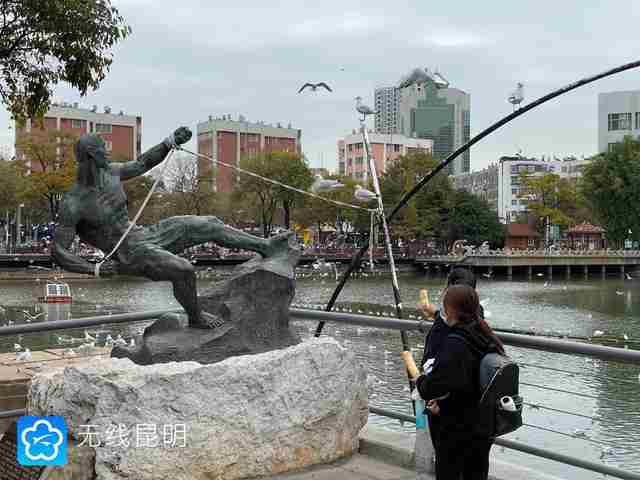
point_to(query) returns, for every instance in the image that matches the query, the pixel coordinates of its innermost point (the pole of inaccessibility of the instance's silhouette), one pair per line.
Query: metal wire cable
(585, 374)
(536, 406)
(579, 437)
(577, 394)
(280, 184)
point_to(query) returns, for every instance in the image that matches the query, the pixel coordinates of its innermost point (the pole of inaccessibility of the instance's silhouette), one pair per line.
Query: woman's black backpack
(498, 377)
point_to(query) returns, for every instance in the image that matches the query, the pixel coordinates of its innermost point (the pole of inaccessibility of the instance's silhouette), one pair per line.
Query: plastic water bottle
(423, 448)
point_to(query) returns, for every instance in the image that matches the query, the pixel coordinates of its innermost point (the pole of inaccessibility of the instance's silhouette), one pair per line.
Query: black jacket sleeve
(452, 371)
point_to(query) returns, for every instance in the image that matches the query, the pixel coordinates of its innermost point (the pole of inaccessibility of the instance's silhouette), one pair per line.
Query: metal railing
(512, 339)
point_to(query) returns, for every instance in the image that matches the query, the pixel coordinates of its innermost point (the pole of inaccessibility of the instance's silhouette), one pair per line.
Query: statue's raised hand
(180, 136)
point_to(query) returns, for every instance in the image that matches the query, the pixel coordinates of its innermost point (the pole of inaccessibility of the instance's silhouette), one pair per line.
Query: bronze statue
(95, 209)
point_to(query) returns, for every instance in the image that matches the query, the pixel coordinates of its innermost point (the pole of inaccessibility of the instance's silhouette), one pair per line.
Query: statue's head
(91, 156)
(91, 148)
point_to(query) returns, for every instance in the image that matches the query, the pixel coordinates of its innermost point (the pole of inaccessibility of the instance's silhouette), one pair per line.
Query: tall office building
(228, 140)
(387, 106)
(618, 116)
(424, 105)
(430, 108)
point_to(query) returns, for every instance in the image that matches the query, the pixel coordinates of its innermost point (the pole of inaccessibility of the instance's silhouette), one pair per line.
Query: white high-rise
(618, 116)
(387, 105)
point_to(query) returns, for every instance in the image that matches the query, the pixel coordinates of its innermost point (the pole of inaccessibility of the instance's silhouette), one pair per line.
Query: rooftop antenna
(517, 96)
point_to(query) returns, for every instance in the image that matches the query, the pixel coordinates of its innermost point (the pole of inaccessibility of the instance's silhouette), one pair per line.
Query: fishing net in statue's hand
(405, 199)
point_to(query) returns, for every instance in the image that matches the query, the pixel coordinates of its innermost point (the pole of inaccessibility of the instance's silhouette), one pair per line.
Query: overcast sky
(190, 59)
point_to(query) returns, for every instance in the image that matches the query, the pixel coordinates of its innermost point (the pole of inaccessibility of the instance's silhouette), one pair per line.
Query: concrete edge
(398, 449)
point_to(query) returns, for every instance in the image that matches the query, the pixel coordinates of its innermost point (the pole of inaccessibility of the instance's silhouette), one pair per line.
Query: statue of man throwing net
(95, 209)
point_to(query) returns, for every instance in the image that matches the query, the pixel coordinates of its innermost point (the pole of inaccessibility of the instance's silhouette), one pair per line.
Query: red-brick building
(585, 236)
(121, 133)
(521, 236)
(228, 141)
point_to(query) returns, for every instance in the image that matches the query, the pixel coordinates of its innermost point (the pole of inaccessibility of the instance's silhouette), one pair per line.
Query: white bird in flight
(28, 317)
(323, 185)
(314, 86)
(363, 109)
(364, 195)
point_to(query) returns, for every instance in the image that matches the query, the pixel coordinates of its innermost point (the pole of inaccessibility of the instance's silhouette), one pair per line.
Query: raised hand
(182, 135)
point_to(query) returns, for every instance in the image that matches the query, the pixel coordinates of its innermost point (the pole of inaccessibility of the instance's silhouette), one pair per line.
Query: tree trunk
(287, 214)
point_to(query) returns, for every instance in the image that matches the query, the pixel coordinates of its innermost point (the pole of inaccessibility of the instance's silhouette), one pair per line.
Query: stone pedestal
(243, 417)
(250, 313)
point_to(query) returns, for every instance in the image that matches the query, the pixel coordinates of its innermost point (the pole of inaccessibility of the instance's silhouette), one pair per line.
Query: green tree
(317, 212)
(53, 167)
(610, 186)
(421, 217)
(45, 42)
(551, 196)
(472, 219)
(285, 167)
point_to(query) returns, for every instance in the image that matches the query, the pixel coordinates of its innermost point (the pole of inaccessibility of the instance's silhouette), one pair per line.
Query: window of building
(514, 191)
(514, 168)
(396, 148)
(359, 160)
(612, 146)
(637, 120)
(108, 146)
(539, 168)
(564, 169)
(515, 180)
(359, 146)
(103, 128)
(77, 123)
(619, 121)
(531, 242)
(514, 202)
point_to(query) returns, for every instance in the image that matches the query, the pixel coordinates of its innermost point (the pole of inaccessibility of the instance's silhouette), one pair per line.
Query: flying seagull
(322, 185)
(363, 109)
(364, 195)
(314, 86)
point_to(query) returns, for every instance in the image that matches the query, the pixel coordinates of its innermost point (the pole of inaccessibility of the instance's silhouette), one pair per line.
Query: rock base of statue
(249, 314)
(244, 417)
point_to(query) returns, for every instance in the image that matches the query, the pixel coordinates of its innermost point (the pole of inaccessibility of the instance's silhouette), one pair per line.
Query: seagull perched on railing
(314, 86)
(364, 195)
(322, 185)
(363, 109)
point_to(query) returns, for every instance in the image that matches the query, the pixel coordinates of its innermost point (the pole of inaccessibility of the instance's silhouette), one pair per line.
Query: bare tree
(190, 195)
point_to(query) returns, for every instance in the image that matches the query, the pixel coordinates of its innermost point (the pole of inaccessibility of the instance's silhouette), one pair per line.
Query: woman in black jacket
(455, 377)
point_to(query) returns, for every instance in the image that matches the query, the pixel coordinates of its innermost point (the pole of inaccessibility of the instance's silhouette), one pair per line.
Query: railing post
(510, 272)
(568, 272)
(586, 272)
(530, 272)
(604, 272)
(622, 272)
(550, 272)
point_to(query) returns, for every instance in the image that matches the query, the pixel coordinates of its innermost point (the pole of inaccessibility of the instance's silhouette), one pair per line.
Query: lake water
(605, 394)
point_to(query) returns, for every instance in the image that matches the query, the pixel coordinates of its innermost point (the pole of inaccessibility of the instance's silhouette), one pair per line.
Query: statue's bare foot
(278, 244)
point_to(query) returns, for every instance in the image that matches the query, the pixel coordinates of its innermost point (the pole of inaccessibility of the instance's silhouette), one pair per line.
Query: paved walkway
(358, 467)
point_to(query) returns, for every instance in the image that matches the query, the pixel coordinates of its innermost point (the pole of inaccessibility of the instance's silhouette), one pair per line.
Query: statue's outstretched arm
(152, 157)
(63, 238)
(145, 162)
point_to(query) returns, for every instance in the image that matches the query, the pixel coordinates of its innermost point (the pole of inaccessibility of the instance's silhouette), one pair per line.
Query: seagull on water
(628, 277)
(363, 109)
(364, 195)
(322, 185)
(314, 86)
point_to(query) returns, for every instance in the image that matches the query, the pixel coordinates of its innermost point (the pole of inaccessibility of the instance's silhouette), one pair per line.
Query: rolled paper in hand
(424, 297)
(410, 364)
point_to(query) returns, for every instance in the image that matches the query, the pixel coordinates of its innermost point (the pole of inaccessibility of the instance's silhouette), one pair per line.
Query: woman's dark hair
(464, 300)
(461, 276)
